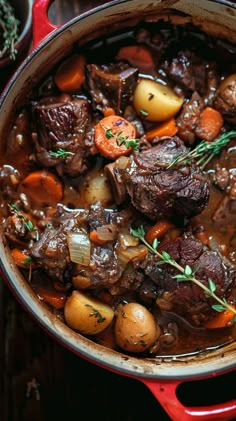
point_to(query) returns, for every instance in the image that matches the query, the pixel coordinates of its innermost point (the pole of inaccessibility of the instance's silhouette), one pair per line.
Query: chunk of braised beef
(111, 85)
(187, 298)
(189, 70)
(63, 125)
(51, 251)
(158, 191)
(189, 117)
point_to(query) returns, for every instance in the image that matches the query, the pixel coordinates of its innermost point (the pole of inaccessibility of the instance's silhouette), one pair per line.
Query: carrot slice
(55, 299)
(209, 124)
(109, 111)
(168, 128)
(158, 230)
(22, 258)
(136, 55)
(43, 187)
(95, 239)
(111, 135)
(70, 75)
(222, 319)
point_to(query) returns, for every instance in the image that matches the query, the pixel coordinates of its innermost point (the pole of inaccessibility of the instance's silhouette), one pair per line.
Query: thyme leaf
(186, 273)
(95, 313)
(61, 153)
(121, 139)
(27, 222)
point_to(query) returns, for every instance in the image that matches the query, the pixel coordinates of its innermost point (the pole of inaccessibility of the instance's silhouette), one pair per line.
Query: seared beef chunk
(111, 85)
(189, 71)
(51, 251)
(63, 125)
(188, 118)
(159, 192)
(186, 298)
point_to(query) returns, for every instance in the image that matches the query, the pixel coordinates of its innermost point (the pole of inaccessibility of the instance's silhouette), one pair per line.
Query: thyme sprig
(203, 152)
(9, 28)
(121, 139)
(186, 273)
(61, 153)
(27, 222)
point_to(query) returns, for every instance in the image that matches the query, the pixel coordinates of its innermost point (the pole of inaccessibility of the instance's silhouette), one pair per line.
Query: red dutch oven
(161, 375)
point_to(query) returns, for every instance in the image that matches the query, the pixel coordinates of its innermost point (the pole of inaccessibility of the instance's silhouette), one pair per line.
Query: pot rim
(194, 366)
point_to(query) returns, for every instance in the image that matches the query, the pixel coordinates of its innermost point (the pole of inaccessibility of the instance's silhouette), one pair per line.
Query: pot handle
(165, 392)
(41, 24)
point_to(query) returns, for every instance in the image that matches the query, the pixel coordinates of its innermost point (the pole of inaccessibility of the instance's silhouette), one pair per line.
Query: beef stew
(94, 199)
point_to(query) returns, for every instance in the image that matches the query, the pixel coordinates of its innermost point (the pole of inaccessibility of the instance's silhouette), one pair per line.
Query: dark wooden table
(39, 379)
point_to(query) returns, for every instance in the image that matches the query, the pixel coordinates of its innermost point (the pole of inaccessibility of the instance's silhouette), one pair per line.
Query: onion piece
(126, 239)
(79, 248)
(107, 232)
(125, 255)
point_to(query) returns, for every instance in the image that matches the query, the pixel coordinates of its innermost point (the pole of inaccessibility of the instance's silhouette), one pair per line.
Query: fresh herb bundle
(9, 30)
(203, 152)
(186, 273)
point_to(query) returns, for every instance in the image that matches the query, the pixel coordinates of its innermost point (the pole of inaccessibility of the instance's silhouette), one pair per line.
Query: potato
(157, 101)
(135, 328)
(86, 314)
(97, 188)
(225, 100)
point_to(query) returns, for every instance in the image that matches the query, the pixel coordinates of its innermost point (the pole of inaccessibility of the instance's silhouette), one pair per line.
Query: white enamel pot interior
(161, 375)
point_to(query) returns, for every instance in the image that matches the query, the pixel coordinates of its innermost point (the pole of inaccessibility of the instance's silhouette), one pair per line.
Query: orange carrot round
(70, 75)
(136, 55)
(222, 319)
(55, 299)
(95, 239)
(43, 187)
(22, 258)
(111, 135)
(109, 111)
(167, 128)
(158, 230)
(209, 124)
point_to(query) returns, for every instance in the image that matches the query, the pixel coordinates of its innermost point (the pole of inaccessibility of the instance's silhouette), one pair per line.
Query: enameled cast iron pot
(161, 375)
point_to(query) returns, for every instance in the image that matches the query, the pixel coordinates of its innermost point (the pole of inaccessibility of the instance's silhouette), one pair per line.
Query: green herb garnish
(143, 112)
(27, 222)
(96, 313)
(203, 152)
(121, 139)
(186, 273)
(61, 153)
(9, 27)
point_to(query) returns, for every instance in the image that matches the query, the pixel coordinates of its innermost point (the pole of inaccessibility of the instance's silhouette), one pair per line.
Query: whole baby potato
(135, 328)
(225, 99)
(86, 314)
(156, 102)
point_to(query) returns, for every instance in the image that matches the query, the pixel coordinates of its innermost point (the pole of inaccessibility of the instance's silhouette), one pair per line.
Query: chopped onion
(81, 282)
(125, 255)
(127, 240)
(107, 232)
(79, 248)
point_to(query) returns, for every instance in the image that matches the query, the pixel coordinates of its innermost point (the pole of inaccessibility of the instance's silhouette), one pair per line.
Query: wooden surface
(39, 379)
